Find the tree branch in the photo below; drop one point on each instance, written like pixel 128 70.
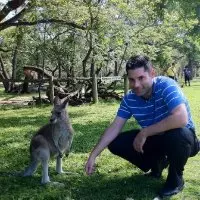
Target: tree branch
pixel 43 21
pixel 5 50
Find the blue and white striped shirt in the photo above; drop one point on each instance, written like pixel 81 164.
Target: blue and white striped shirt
pixel 166 95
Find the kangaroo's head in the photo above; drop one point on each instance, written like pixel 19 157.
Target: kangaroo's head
pixel 59 112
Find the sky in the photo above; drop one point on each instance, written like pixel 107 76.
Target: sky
pixel 10 14
pixel 3 1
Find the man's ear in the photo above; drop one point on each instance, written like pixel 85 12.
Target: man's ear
pixel 153 72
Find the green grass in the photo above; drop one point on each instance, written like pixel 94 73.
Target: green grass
pixel 115 179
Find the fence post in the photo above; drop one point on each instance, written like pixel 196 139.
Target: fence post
pixel 94 88
pixel 126 84
pixel 51 89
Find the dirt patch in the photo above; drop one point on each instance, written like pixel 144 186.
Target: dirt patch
pixel 18 100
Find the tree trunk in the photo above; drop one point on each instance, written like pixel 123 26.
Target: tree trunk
pixel 4 76
pixel 25 85
pixel 84 62
pixel 92 68
pixel 116 65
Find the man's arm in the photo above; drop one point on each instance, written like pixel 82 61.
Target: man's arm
pixel 109 135
pixel 177 119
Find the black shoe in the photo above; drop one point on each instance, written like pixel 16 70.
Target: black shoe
pixel 169 191
pixel 153 174
pixel 156 171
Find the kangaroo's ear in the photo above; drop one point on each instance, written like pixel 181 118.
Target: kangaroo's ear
pixel 56 101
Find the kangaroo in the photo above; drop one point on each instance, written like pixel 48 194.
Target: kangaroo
pixel 52 140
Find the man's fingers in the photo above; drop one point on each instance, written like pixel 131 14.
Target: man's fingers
pixel 138 147
pixel 90 169
pixel 141 149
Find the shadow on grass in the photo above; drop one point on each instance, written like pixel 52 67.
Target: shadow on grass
pixel 7 122
pixel 98 187
pixel 109 186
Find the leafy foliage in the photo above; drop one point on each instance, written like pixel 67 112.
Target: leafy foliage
pixel 105 34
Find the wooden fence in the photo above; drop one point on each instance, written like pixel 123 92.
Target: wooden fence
pixel 94 79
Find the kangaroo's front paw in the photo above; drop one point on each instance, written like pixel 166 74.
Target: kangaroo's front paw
pixel 60 171
pixel 45 180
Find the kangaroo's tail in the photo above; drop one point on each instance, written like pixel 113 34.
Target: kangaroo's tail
pixel 11 174
pixel 29 171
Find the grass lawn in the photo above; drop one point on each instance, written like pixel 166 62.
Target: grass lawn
pixel 115 179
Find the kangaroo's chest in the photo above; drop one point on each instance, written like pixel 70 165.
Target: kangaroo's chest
pixel 61 135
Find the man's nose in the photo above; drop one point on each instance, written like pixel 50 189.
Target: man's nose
pixel 136 84
pixel 52 119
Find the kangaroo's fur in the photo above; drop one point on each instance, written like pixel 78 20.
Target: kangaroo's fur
pixel 52 140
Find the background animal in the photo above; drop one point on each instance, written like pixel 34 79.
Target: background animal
pixel 52 140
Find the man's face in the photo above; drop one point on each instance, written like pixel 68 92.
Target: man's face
pixel 140 81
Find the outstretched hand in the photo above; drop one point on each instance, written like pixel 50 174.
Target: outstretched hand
pixel 139 141
pixel 90 166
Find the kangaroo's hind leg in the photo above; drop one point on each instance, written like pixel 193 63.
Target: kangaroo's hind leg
pixel 44 156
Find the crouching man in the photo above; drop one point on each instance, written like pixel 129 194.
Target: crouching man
pixel 167 134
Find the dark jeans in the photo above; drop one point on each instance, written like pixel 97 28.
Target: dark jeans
pixel 176 144
pixel 187 80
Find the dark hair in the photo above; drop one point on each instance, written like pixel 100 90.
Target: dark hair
pixel 138 61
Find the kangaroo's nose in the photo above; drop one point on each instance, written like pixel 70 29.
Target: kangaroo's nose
pixel 52 120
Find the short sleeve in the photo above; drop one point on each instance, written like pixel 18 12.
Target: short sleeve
pixel 172 95
pixel 124 110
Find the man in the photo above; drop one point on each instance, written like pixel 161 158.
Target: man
pixel 171 71
pixel 167 129
pixel 187 74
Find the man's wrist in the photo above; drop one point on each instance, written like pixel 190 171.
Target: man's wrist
pixel 92 156
pixel 145 132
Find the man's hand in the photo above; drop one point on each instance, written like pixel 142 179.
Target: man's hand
pixel 139 141
pixel 90 166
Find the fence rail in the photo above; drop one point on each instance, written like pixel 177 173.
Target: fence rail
pixel 93 79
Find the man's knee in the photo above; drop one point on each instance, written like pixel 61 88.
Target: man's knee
pixel 123 142
pixel 179 141
pixel 114 147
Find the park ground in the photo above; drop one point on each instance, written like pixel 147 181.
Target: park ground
pixel 114 179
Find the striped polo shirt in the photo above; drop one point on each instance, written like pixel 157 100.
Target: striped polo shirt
pixel 166 95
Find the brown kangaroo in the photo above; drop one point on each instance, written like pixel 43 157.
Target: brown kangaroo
pixel 52 140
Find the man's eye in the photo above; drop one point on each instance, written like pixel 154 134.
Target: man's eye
pixel 131 80
pixel 141 78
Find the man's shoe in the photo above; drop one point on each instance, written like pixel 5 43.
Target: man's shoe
pixel 156 171
pixel 169 191
pixel 153 174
